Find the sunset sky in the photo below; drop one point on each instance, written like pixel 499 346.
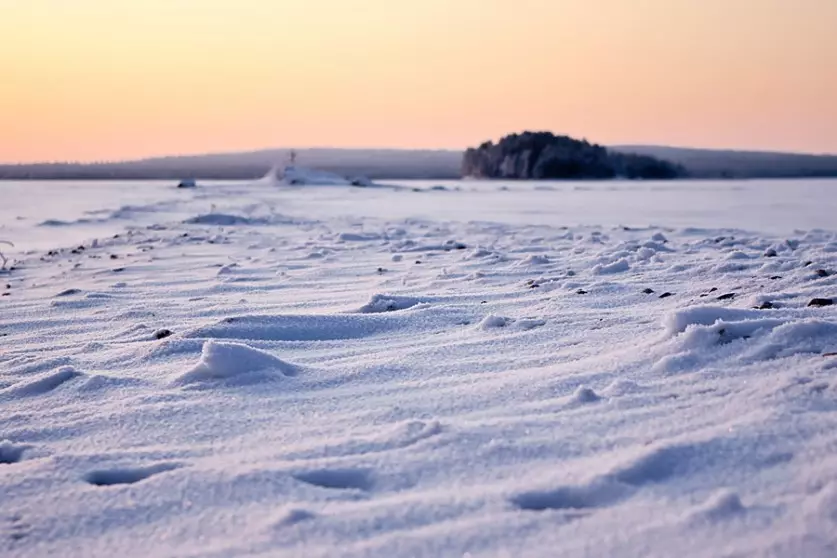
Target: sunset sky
pixel 114 79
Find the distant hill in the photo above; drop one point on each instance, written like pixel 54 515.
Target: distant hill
pixel 543 155
pixel 435 164
pixel 716 163
pixel 372 163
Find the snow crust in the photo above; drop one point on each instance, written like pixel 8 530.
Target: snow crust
pixel 542 370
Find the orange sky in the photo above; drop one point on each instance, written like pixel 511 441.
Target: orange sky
pixel 112 79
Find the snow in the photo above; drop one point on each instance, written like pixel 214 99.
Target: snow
pixel 483 369
pixel 224 361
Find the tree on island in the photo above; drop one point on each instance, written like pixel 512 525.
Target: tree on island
pixel 543 155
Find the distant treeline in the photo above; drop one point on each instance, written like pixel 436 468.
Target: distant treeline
pixel 579 159
pixel 372 163
pixel 715 163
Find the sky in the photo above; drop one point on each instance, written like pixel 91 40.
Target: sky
pixel 93 80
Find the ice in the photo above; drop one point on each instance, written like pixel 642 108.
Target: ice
pixel 489 369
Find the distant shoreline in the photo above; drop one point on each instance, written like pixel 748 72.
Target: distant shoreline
pixel 406 164
pixel 175 180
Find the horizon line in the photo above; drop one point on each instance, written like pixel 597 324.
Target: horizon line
pixel 140 159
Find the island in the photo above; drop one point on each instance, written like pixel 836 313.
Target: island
pixel 544 156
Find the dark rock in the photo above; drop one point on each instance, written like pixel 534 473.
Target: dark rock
pixel 648 291
pixel 727 296
pixel 817 302
pixel 822 273
pixel 418 261
pixel 770 253
pixel 162 334
pixel 665 295
pixel 765 306
pixel 381 270
pixel 114 257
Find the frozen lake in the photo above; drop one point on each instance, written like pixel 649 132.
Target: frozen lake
pixel 604 369
pixel 778 206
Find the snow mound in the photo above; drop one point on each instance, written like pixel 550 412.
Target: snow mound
pixel 700 333
pixel 236 361
pixel 380 303
pixel 302 176
pixel 534 259
pixel 585 395
pixel 42 384
pixel 493 321
pixel 619 266
pixel 678 322
pixel 809 336
pixel 621 386
pixel 479 253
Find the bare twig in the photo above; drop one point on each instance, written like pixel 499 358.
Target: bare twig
pixel 2 257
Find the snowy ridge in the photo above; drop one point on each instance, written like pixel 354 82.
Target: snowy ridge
pixel 245 373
